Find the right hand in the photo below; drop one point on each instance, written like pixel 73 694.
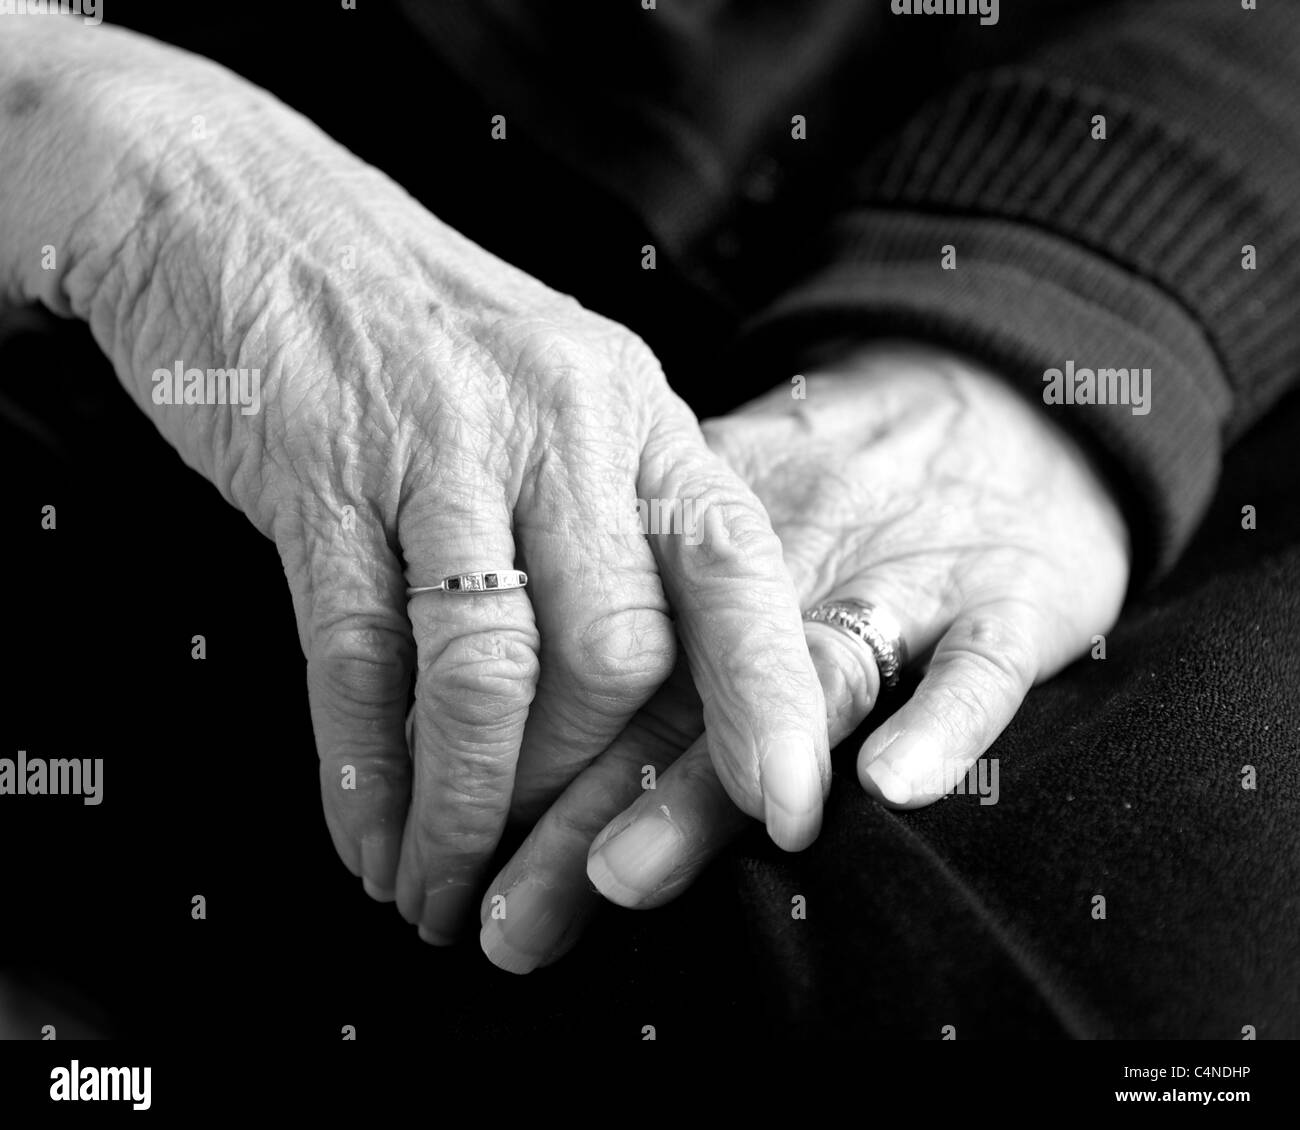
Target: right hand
pixel 426 409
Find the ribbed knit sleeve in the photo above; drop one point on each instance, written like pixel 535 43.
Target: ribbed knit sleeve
pixel 1132 250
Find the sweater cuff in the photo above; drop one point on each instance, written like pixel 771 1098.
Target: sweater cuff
pixel 1023 301
pixel 1170 203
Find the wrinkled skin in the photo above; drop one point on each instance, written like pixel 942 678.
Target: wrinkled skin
pixel 908 478
pixel 426 409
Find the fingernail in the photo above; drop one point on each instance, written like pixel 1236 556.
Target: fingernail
pixel 792 795
pixel 445 910
pixel 634 863
pixel 378 893
pixel 534 923
pixel 379 858
pixel 617 826
pixel 879 778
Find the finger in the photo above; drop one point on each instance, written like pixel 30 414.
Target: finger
pixel 653 851
pixel 348 595
pixel 981 670
pixel 630 874
pixel 739 623
pixel 477 671
pixel 537 907
pixel 607 641
pixel 847 668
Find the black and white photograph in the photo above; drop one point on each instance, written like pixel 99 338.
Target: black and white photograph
pixel 598 523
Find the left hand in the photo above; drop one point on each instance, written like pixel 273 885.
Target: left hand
pixel 909 478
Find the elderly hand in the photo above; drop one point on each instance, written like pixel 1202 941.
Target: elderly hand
pixel 414 408
pixel 909 479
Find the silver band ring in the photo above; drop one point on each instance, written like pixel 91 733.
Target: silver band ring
pixel 873 626
pixel 492 581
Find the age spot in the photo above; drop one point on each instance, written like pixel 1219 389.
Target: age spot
pixel 23 98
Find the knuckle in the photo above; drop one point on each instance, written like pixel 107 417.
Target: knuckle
pixel 958 713
pixel 850 682
pixel 544 349
pixel 577 824
pixel 467 817
pixel 469 838
pixel 483 681
pixel 364 670
pixel 731 534
pixel 474 783
pixel 622 655
pixel 696 774
pixel 1001 653
pixel 965 709
pixel 770 679
pixel 713 789
pixel 565 375
pixel 738 537
pixel 378 778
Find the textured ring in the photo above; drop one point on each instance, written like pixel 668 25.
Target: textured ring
pixel 873 626
pixel 476 582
